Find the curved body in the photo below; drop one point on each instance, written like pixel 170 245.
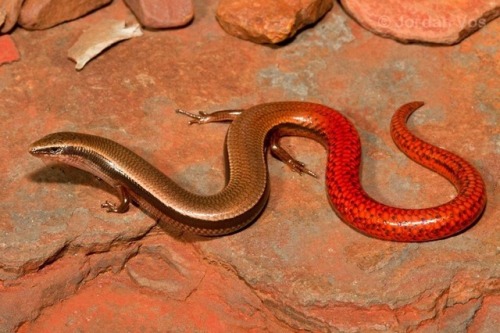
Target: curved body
pixel 247 190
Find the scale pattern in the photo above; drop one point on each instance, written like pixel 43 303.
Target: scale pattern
pixel 247 189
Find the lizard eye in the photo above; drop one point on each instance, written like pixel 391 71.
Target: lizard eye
pixel 55 150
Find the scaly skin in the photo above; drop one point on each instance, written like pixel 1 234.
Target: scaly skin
pixel 247 190
pixel 409 225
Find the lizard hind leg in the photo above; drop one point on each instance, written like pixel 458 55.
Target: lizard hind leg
pixel 214 117
pixel 284 156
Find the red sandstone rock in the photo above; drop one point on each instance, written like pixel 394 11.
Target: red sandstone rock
pixel 159 14
pixel 167 266
pixel 264 21
pixel 190 295
pixel 24 299
pixel 43 14
pixel 8 50
pixel 9 12
pixel 298 268
pixel 443 22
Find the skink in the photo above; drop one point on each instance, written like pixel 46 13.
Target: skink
pixel 251 134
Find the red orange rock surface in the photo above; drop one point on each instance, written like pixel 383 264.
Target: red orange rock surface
pixel 265 21
pixel 442 22
pixel 8 50
pixel 162 13
pixel 43 14
pixel 66 265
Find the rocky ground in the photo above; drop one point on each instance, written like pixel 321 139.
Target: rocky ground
pixel 66 265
